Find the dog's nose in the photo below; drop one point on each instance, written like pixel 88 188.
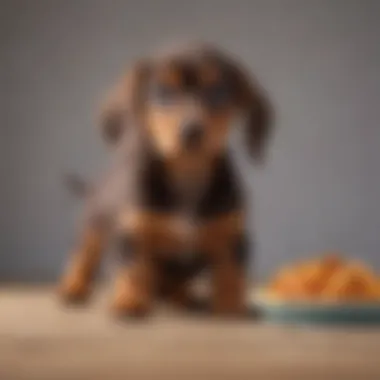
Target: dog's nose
pixel 191 134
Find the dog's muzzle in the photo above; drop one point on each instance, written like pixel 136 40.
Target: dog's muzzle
pixel 191 135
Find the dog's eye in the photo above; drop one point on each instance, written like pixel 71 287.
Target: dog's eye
pixel 165 94
pixel 217 95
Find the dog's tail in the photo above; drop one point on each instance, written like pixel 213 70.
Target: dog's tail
pixel 77 186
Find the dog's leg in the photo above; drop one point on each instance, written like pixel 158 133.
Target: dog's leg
pixel 76 283
pixel 178 282
pixel 225 245
pixel 228 282
pixel 133 291
pixel 181 296
pixel 151 238
pixel 134 287
pixel 176 291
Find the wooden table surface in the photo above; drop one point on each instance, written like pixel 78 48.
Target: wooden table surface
pixel 39 339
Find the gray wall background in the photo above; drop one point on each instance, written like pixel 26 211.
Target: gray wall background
pixel 319 60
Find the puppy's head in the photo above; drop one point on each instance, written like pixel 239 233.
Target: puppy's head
pixel 185 103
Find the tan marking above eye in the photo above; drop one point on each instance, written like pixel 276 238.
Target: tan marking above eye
pixel 210 74
pixel 169 76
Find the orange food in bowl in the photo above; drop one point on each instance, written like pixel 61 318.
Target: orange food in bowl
pixel 329 278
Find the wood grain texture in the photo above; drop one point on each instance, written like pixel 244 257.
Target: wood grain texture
pixel 39 339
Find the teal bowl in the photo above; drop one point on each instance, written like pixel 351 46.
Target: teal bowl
pixel 278 311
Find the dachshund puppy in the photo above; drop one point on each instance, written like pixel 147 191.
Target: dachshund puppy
pixel 171 205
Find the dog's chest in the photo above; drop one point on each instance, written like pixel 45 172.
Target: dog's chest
pixel 189 193
pixel 187 201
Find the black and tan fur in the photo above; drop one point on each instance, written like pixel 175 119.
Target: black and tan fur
pixel 168 122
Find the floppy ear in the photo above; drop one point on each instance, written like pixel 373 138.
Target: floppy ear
pixel 255 105
pixel 123 103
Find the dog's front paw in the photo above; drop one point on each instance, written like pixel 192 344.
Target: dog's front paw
pixel 229 308
pixel 73 290
pixel 127 304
